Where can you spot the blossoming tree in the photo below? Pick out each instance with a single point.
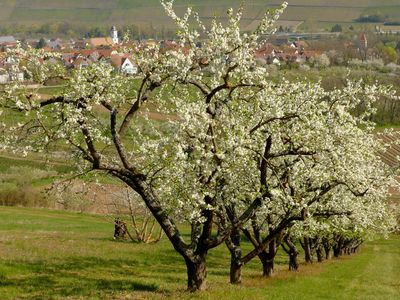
(236, 148)
(335, 172)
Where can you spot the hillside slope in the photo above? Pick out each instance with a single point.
(150, 13)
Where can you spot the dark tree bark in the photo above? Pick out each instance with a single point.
(319, 251)
(236, 272)
(357, 245)
(338, 246)
(306, 245)
(194, 254)
(233, 244)
(267, 261)
(267, 255)
(120, 229)
(327, 248)
(293, 259)
(196, 272)
(293, 253)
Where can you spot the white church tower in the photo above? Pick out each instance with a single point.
(114, 35)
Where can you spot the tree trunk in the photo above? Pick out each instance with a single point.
(293, 262)
(233, 244)
(338, 247)
(236, 272)
(293, 254)
(327, 249)
(307, 251)
(357, 246)
(267, 259)
(268, 267)
(319, 251)
(196, 272)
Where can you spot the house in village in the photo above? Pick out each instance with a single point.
(79, 44)
(128, 67)
(4, 76)
(81, 63)
(109, 41)
(168, 45)
(9, 71)
(299, 45)
(124, 64)
(291, 52)
(280, 41)
(83, 58)
(8, 42)
(57, 44)
(7, 39)
(266, 54)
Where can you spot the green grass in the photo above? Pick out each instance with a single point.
(52, 255)
(50, 90)
(6, 162)
(392, 12)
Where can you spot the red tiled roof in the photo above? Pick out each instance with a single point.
(101, 41)
(118, 59)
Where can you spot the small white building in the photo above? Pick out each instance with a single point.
(124, 64)
(128, 67)
(7, 76)
(4, 77)
(7, 39)
(107, 41)
(17, 76)
(114, 35)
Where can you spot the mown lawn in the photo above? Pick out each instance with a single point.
(52, 255)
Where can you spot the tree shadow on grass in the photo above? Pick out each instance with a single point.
(40, 287)
(87, 277)
(99, 277)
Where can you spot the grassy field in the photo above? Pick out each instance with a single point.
(52, 255)
(149, 13)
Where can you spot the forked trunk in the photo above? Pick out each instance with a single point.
(293, 253)
(196, 272)
(267, 260)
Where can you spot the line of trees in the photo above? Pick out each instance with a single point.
(80, 30)
(244, 156)
(376, 17)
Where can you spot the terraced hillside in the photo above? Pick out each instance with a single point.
(150, 13)
(391, 158)
(391, 155)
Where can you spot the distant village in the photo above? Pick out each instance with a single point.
(278, 51)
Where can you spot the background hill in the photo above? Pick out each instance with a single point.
(145, 14)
